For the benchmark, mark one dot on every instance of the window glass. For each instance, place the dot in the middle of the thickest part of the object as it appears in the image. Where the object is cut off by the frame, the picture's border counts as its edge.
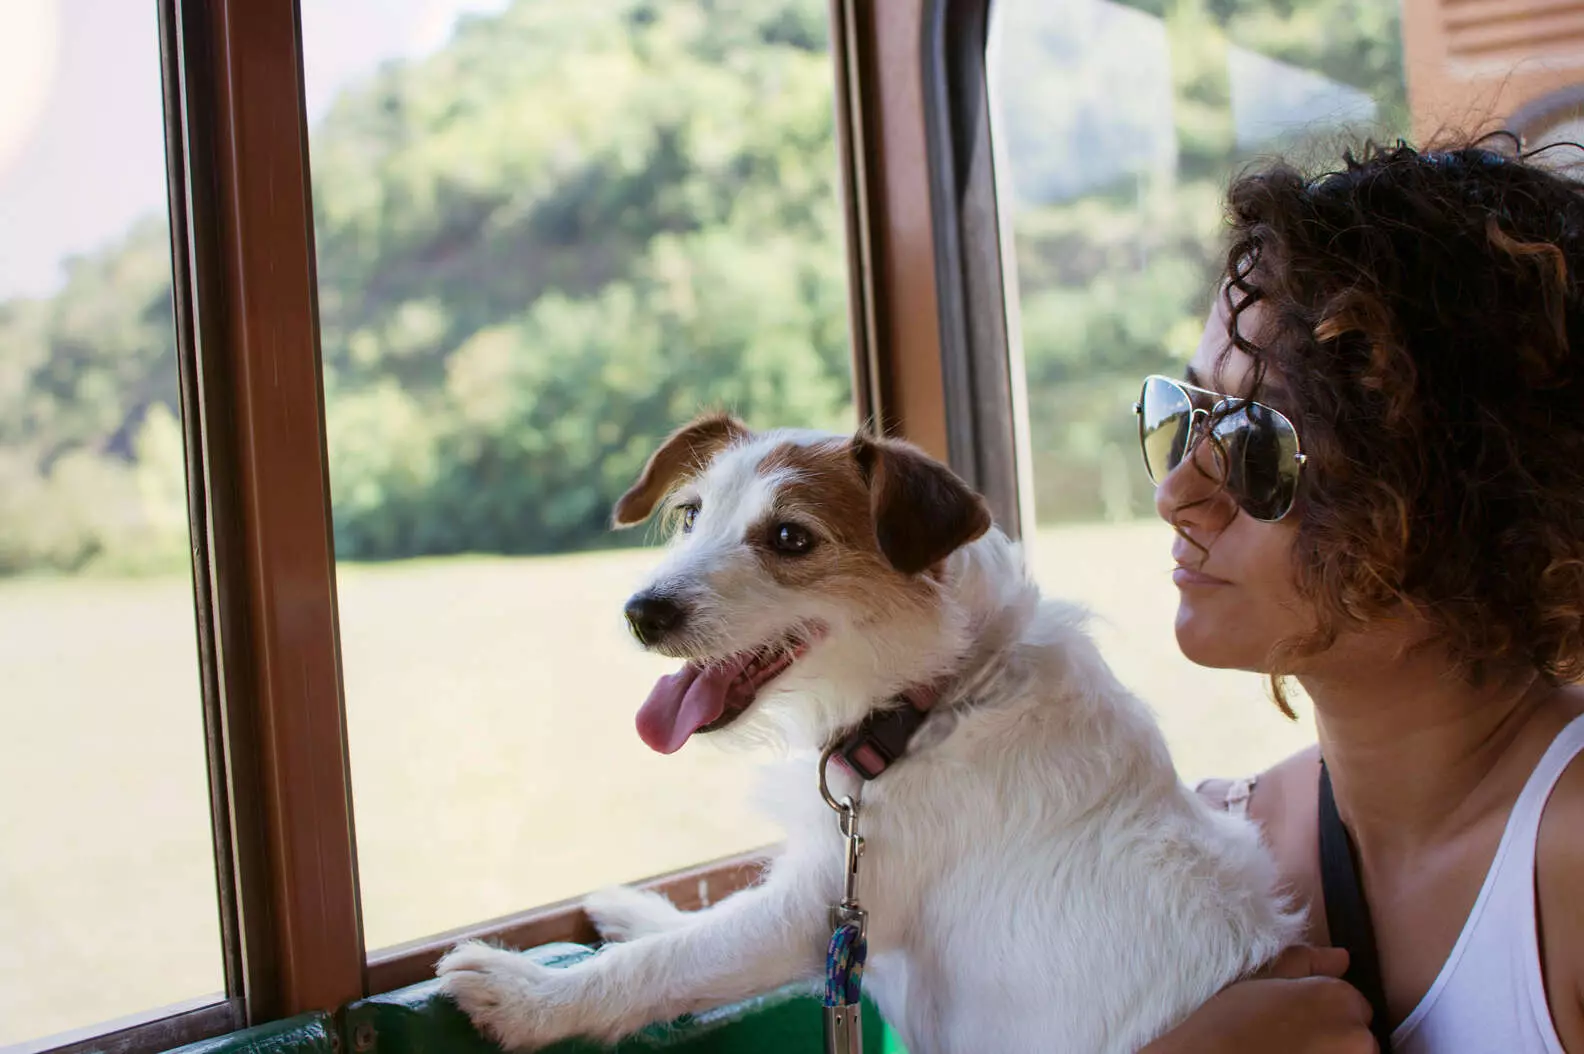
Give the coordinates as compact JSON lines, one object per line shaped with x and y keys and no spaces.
{"x":547,"y":234}
{"x":107,"y":882}
{"x":1121,"y":124}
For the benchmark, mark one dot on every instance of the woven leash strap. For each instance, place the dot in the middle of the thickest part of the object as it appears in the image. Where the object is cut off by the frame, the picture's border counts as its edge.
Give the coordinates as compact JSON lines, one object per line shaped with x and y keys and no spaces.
{"x":844,"y":963}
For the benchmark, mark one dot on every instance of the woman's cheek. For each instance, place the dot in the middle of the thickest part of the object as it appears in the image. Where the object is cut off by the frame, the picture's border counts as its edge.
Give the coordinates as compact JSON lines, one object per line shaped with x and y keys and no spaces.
{"x":1238,"y":625}
{"x":1222,"y":628}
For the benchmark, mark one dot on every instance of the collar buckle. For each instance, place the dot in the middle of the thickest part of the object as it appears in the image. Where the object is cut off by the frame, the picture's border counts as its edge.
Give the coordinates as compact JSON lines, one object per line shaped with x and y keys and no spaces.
{"x":880,"y":739}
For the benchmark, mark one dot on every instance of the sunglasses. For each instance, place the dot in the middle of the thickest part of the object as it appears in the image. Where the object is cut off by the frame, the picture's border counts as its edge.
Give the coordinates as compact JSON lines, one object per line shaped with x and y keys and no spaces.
{"x":1256,"y":450}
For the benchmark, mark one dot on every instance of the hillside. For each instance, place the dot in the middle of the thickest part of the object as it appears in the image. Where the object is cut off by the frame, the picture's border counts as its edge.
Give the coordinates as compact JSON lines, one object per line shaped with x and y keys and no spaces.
{"x":544,"y":245}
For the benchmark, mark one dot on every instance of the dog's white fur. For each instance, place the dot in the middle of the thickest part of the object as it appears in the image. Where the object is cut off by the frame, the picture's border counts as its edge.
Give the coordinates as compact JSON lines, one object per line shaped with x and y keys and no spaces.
{"x":1036,"y":876}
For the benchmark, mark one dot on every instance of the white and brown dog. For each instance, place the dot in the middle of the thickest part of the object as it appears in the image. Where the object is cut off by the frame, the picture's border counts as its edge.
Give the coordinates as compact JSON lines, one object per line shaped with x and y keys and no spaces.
{"x":1036,"y":876}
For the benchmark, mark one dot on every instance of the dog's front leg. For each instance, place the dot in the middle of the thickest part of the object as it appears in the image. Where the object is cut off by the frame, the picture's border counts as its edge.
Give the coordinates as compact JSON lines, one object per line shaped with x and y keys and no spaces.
{"x":750,"y":943}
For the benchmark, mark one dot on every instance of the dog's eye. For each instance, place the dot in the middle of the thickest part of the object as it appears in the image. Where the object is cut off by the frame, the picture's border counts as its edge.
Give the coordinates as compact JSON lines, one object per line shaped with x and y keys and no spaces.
{"x":790,"y":538}
{"x":689,"y":515}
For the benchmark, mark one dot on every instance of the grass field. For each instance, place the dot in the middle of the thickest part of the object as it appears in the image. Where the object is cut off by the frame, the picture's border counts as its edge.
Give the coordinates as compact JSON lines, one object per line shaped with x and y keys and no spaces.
{"x":495,"y":766}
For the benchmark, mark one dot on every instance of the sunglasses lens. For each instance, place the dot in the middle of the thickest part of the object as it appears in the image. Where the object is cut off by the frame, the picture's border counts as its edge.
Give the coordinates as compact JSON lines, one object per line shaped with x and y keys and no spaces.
{"x":1258,"y":450}
{"x":1165,"y":416}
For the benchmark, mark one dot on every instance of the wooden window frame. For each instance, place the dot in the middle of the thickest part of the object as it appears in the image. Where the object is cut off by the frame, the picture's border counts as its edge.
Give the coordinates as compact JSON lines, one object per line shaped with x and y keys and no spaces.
{"x":689,"y":889}
{"x":980,"y":350}
{"x":935,"y":348}
{"x":247,"y":327}
{"x":929,"y":362}
{"x":158,"y":1029}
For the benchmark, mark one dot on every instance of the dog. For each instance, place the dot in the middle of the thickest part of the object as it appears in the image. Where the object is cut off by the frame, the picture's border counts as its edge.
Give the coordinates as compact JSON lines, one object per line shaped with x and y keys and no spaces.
{"x":1036,"y":876}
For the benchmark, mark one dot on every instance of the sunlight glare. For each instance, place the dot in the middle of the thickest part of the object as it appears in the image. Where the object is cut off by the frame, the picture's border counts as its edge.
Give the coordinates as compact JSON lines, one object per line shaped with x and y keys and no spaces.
{"x":29,"y":52}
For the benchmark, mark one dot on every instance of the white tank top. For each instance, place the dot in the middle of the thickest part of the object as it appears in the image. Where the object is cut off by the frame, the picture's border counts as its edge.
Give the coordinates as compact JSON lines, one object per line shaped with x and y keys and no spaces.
{"x":1489,"y":997}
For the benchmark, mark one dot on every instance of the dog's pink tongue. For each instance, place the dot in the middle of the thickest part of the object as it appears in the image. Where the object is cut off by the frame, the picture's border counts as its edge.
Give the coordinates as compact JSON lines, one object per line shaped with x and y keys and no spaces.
{"x":683,"y":703}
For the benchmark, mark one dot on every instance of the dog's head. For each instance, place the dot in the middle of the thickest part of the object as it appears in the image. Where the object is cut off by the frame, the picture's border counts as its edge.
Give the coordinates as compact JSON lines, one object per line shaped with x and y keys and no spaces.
{"x":796,"y":558}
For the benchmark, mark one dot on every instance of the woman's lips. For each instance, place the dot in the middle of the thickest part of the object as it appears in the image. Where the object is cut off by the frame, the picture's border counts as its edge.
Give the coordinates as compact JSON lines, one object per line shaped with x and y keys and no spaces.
{"x":1187,"y":576}
{"x":1186,"y":554}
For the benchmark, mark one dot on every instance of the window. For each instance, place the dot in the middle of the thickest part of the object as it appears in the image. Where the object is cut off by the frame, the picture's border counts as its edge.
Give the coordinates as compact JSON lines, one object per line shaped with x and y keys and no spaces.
{"x":1121,"y":124}
{"x":547,"y":236}
{"x":108,"y":904}
{"x":514,"y":296}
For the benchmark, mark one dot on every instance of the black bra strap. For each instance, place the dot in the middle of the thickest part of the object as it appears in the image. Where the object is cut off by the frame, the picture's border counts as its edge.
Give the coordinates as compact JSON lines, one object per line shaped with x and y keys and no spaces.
{"x":1347,"y":914}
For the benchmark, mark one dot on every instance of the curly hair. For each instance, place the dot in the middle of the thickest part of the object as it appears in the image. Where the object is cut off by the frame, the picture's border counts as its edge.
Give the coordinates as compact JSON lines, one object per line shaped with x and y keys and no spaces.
{"x":1422,"y":312}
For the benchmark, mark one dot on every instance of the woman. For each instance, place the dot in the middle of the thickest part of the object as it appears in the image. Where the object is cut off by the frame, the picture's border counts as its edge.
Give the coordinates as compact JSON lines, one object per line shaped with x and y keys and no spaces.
{"x":1398,"y":525}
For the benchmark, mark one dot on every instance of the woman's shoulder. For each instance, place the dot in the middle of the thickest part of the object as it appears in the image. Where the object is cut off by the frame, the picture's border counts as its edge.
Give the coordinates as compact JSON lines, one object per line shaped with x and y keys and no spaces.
{"x":1284,"y":802}
{"x":1559,"y":875}
{"x":1290,"y":784}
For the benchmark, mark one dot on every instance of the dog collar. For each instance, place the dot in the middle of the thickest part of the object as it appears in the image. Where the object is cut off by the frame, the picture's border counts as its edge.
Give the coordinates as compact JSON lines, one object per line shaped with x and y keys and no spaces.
{"x":881,"y":739}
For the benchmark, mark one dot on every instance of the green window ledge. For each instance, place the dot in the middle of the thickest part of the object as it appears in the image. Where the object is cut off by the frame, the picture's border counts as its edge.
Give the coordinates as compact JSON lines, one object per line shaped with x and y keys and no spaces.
{"x":418,"y":1020}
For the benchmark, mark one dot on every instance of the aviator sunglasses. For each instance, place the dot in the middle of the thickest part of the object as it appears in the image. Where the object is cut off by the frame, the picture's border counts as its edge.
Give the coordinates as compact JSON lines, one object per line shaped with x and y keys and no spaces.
{"x":1255,"y":447}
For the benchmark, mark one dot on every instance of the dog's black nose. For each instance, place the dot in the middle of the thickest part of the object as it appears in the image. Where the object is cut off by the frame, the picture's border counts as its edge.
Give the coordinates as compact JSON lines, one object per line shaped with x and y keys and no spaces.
{"x":652,"y":617}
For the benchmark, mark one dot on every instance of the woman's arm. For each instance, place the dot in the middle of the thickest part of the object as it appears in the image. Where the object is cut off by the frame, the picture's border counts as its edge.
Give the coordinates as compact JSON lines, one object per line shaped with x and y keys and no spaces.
{"x":1284,"y":803}
{"x":1298,"y":1004}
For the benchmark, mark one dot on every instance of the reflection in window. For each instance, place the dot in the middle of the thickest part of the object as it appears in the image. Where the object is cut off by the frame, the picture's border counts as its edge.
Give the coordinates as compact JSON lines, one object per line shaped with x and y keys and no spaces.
{"x":546,"y":238}
{"x":1121,"y":125}
{"x":107,"y":881}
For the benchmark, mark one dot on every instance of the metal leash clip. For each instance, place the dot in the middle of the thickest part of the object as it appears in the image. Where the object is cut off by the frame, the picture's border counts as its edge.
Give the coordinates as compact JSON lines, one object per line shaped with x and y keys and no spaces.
{"x":848,"y":910}
{"x":849,"y":943}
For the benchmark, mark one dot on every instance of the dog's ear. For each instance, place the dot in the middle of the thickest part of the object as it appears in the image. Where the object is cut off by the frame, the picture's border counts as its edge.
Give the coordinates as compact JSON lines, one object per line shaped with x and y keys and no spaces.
{"x":923,"y":511}
{"x":683,"y":454}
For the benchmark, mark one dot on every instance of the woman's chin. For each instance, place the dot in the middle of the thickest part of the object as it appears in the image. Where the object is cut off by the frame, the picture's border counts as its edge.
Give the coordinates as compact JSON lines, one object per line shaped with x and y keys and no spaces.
{"x":1217,"y":643}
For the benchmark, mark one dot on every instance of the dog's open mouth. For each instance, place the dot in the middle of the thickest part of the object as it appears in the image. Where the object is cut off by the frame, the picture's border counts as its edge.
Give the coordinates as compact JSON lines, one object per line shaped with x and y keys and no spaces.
{"x":706,"y":695}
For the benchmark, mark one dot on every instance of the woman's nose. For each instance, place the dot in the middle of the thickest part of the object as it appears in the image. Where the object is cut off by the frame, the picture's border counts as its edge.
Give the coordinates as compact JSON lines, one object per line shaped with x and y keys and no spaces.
{"x":1192,"y":493}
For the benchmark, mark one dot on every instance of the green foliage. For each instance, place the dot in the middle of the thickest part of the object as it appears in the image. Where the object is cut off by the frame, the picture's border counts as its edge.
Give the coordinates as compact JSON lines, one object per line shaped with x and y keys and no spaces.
{"x":539,"y":250}
{"x":88,"y":405}
{"x":113,"y":514}
{"x":549,"y":243}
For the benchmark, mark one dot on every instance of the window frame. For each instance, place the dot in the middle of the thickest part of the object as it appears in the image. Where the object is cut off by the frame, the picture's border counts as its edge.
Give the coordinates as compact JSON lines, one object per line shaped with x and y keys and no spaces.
{"x":248,"y":345}
{"x":264,"y":587}
{"x":980,"y":352}
{"x":157,"y":1029}
{"x":689,"y":889}
{"x":935,"y":350}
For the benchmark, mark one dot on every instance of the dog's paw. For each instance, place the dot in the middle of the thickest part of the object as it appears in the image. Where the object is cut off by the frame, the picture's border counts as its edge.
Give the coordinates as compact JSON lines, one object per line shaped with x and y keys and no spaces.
{"x":622,"y":913}
{"x":508,"y":997}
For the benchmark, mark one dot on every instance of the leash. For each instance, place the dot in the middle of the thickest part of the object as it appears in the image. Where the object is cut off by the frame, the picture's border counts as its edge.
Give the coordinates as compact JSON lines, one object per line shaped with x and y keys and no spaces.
{"x":849,"y":942}
{"x":874,"y":745}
